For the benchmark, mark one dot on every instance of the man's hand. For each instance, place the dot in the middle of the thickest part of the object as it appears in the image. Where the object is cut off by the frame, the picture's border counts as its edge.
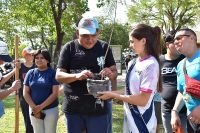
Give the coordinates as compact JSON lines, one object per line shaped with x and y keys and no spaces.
{"x":106,"y":72}
{"x":194,"y":115}
{"x":84,"y":75}
{"x":16,"y":85}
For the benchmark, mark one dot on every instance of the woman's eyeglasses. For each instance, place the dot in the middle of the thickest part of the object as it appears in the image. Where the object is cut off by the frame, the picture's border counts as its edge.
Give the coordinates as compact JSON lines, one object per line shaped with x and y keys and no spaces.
{"x":180,"y":37}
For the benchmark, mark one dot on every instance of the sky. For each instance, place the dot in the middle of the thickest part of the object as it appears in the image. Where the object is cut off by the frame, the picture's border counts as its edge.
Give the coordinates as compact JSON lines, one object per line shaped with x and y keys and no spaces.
{"x":121,"y":11}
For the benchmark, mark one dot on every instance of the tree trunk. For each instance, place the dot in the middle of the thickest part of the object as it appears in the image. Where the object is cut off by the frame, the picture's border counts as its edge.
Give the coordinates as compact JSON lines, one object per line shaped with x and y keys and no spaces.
{"x":60,"y":36}
{"x":57,"y":14}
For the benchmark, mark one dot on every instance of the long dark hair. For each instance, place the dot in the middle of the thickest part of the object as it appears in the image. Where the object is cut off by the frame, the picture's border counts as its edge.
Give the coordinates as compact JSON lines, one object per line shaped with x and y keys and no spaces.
{"x":152,"y":47}
{"x":45,"y":54}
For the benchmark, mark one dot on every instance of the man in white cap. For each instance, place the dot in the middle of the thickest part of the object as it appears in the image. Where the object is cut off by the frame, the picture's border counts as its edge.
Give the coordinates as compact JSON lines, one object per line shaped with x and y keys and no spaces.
{"x":4,"y":57}
{"x":4,"y":93}
{"x":79,"y":60}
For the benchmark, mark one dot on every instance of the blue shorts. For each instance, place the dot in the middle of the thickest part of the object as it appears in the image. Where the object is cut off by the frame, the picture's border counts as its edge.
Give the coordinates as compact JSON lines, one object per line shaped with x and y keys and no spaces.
{"x":93,"y":124}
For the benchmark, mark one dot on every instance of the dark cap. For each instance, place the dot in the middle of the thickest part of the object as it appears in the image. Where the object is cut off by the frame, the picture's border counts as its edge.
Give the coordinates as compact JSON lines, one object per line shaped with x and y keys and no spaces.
{"x":6,"y":58}
{"x":169,"y":37}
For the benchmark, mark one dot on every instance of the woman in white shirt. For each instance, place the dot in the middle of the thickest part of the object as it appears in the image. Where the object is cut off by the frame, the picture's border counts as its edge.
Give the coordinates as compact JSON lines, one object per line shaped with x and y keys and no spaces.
{"x":142,"y":81}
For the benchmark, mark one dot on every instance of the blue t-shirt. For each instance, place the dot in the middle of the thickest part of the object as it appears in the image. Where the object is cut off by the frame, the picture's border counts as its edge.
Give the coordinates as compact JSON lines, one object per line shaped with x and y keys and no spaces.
{"x":41,"y":85}
{"x":193,"y":71}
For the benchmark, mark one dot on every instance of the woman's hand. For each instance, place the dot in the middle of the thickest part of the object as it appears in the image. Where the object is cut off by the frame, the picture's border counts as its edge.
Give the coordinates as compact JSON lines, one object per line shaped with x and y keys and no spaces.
{"x":37,"y":109}
{"x":175,"y":120}
{"x":105,"y":95}
{"x":37,"y":115}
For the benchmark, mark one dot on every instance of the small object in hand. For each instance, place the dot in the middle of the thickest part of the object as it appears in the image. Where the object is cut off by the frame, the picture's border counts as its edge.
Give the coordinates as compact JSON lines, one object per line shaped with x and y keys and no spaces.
{"x":42,"y":115}
{"x":102,"y":104}
{"x":97,"y":76}
{"x":190,"y":118}
{"x":94,"y":86}
{"x":32,"y":114}
{"x":179,"y":130}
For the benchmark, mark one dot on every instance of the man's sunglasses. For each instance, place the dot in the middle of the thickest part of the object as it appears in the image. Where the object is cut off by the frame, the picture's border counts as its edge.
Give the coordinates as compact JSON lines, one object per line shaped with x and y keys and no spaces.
{"x":180,"y":37}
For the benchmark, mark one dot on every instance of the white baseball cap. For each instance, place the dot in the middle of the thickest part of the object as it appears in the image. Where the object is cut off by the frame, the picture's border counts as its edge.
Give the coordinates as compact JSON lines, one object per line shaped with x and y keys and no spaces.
{"x":4,"y":55}
{"x":88,"y":26}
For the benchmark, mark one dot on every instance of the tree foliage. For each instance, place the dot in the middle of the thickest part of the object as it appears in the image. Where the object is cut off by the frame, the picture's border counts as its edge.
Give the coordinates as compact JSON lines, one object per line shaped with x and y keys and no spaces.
{"x":113,"y":32}
{"x":119,"y":36}
{"x":50,"y":23}
{"x":44,"y":23}
{"x":168,"y":14}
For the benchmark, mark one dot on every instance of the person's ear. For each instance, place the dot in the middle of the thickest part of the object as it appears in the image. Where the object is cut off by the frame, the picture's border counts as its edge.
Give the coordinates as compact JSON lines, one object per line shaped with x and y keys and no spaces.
{"x":77,"y":33}
{"x":144,"y":40}
{"x":166,"y":45}
{"x":97,"y":33}
{"x":193,"y":38}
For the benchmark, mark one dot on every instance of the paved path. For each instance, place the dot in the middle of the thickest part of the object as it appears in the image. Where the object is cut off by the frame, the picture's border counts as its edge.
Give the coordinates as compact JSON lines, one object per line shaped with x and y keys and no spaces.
{"x":121,"y":78}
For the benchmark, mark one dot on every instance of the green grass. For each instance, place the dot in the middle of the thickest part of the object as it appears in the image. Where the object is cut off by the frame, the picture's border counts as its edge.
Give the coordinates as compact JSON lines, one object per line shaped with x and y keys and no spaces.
{"x":7,"y":122}
{"x":118,"y":114}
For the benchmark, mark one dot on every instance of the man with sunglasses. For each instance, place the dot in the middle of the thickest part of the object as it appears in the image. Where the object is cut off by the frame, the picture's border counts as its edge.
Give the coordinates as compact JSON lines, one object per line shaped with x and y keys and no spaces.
{"x":79,"y":60}
{"x":185,"y":41}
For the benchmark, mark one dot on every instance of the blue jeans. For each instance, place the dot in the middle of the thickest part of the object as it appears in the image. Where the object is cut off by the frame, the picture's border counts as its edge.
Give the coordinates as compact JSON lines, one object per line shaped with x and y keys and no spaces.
{"x":1,"y":109}
{"x":93,"y":124}
{"x":166,"y":118}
